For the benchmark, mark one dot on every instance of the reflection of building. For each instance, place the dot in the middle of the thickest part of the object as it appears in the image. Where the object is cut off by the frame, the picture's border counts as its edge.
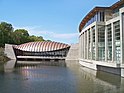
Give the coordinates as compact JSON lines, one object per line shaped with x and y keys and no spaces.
{"x":101,"y":41}
{"x":100,"y":81}
{"x":41,"y":50}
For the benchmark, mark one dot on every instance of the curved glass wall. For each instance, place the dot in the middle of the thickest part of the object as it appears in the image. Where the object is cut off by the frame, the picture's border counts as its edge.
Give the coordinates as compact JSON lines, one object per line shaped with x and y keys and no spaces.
{"x":56,"y":53}
{"x":99,"y":16}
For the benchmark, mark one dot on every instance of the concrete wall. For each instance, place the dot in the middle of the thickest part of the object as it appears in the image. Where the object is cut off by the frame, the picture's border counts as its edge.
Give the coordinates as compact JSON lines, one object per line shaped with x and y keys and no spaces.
{"x":112,"y":70}
{"x":9,"y":51}
{"x":73,"y":53}
{"x":122,"y":72}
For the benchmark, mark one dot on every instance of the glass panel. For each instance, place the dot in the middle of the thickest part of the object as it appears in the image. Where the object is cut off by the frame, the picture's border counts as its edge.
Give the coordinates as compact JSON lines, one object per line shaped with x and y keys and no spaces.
{"x":93,"y":53}
{"x":116,"y":27}
{"x":86,"y":45}
{"x":101,"y":43}
{"x":89,"y":47}
{"x":109,"y":34}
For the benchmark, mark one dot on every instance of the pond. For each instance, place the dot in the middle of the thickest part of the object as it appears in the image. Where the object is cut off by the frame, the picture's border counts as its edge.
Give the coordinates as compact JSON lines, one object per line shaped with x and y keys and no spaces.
{"x":71,"y":78}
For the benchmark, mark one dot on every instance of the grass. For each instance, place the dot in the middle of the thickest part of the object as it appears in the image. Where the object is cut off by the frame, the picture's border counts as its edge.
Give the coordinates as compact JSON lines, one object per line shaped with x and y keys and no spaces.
{"x":3,"y":57}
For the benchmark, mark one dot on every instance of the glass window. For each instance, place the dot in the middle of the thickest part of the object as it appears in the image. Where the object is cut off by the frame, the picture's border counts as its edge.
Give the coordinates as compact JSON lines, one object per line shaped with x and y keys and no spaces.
{"x":109,"y":35}
{"x":85,"y":44}
{"x":89,"y":47}
{"x":101,"y":43}
{"x":93,"y":51}
{"x":116,"y":27}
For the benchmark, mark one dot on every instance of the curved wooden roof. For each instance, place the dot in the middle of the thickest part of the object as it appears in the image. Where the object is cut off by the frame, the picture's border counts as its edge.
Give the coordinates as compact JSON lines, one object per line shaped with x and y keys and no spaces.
{"x":96,"y":9}
{"x":41,"y":46}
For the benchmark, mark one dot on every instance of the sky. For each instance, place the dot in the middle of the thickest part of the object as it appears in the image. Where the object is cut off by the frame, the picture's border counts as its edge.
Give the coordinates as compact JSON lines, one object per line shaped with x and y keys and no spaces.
{"x":56,"y":20}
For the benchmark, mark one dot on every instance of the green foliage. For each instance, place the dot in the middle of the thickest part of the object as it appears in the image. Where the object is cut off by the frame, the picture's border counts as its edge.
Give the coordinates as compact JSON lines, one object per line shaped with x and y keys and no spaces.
{"x":48,"y":40}
{"x":6,"y":31}
{"x":19,"y":36}
{"x":1,"y":51}
{"x":35,"y":38}
{"x":3,"y":57}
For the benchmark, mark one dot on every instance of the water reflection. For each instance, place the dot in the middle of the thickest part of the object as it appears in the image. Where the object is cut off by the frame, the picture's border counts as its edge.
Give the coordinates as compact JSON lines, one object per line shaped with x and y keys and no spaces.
{"x":101,"y":82}
{"x":9,"y":66}
{"x":91,"y":81}
{"x":73,"y":78}
{"x":45,"y":63}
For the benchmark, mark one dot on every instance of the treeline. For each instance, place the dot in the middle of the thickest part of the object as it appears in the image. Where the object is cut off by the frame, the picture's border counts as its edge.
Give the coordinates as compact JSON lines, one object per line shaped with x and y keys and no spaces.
{"x":19,"y":36}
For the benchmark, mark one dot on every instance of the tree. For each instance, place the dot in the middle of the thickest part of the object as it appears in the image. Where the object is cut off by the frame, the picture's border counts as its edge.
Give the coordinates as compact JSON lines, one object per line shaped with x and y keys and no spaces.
{"x":6,"y":30}
{"x":20,"y":36}
{"x":35,"y":38}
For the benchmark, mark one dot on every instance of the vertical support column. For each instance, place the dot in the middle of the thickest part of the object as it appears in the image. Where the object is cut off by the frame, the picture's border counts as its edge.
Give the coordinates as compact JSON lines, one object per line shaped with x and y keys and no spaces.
{"x":84,"y":46}
{"x":79,"y":47}
{"x":106,"y":44}
{"x":96,"y":42}
{"x":87,"y":44}
{"x":91,"y":44}
{"x":113,"y":43}
{"x":122,"y":35}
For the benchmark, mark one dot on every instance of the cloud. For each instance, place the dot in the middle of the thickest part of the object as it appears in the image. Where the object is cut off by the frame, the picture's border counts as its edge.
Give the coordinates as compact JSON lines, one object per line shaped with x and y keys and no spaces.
{"x":51,"y":35}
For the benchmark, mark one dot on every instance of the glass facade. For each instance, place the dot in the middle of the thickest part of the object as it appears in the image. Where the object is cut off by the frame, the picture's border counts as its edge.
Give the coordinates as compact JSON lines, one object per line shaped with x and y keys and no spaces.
{"x":109,"y":36}
{"x":122,"y":33}
{"x":116,"y":27}
{"x":93,"y":51}
{"x":88,"y":42}
{"x":56,"y":53}
{"x":98,"y":17}
{"x":42,"y":49}
{"x":101,"y":43}
{"x":103,"y":39}
{"x":116,"y":11}
{"x":89,"y":47}
{"x":86,"y":45}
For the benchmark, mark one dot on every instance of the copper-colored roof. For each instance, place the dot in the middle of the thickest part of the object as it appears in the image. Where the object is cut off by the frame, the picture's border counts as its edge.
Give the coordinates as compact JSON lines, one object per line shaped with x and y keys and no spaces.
{"x":41,"y":46}
{"x":96,"y":9}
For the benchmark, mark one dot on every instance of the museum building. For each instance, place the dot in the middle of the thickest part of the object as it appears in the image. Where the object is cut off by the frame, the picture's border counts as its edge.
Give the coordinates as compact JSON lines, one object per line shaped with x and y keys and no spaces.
{"x":45,"y":49}
{"x":101,"y":40}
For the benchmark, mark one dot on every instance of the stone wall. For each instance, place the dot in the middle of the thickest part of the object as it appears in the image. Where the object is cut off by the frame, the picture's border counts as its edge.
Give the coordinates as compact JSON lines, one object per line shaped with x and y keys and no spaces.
{"x":73,"y":53}
{"x":9,"y":51}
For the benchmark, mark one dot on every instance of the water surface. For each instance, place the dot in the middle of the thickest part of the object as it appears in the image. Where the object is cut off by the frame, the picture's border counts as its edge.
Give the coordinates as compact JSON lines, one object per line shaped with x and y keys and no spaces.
{"x":57,"y":79}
